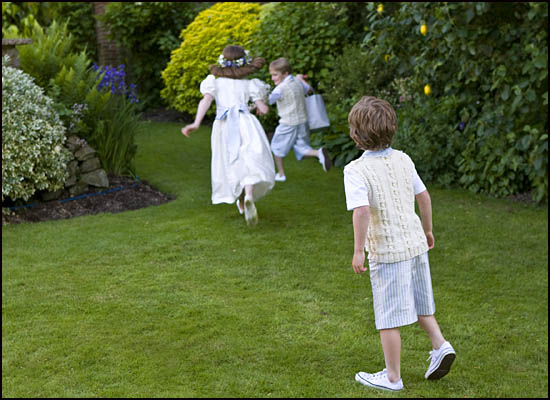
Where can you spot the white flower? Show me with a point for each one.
(234, 63)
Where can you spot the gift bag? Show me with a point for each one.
(316, 113)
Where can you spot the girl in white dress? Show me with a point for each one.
(242, 164)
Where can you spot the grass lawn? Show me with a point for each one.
(184, 300)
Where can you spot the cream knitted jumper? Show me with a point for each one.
(395, 232)
(292, 104)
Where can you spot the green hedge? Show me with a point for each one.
(148, 32)
(484, 126)
(203, 41)
(310, 35)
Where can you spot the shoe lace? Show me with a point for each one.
(381, 373)
(431, 355)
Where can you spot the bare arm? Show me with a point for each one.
(425, 207)
(307, 87)
(202, 108)
(261, 107)
(361, 216)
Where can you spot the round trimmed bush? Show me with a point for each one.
(203, 41)
(33, 155)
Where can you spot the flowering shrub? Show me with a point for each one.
(483, 125)
(33, 155)
(114, 79)
(203, 41)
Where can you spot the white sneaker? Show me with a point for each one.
(241, 211)
(280, 178)
(379, 380)
(442, 359)
(324, 159)
(250, 213)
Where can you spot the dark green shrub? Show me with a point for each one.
(114, 135)
(310, 35)
(81, 24)
(348, 81)
(484, 125)
(148, 32)
(107, 122)
(19, 18)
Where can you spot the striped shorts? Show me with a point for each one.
(401, 291)
(288, 137)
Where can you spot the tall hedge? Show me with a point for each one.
(310, 35)
(203, 41)
(148, 32)
(484, 126)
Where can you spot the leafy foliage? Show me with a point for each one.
(309, 34)
(148, 32)
(51, 48)
(84, 100)
(33, 155)
(19, 18)
(203, 41)
(485, 126)
(81, 24)
(114, 135)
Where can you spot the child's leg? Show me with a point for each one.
(250, 213)
(281, 143)
(312, 153)
(249, 191)
(430, 326)
(391, 344)
(241, 202)
(279, 162)
(302, 146)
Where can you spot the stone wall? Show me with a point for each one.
(84, 171)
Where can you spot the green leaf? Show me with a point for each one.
(469, 15)
(505, 94)
(541, 61)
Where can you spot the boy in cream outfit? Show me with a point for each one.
(381, 187)
(292, 131)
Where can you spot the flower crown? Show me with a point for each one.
(239, 62)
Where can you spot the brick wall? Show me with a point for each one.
(108, 53)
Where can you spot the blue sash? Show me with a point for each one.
(232, 131)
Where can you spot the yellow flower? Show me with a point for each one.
(423, 29)
(380, 9)
(387, 57)
(427, 90)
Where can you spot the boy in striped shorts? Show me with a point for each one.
(381, 187)
(293, 130)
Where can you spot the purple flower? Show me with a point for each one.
(114, 79)
(461, 126)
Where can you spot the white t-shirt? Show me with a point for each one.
(357, 194)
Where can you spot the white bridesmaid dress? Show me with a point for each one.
(241, 154)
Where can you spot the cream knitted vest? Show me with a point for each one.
(292, 104)
(395, 232)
